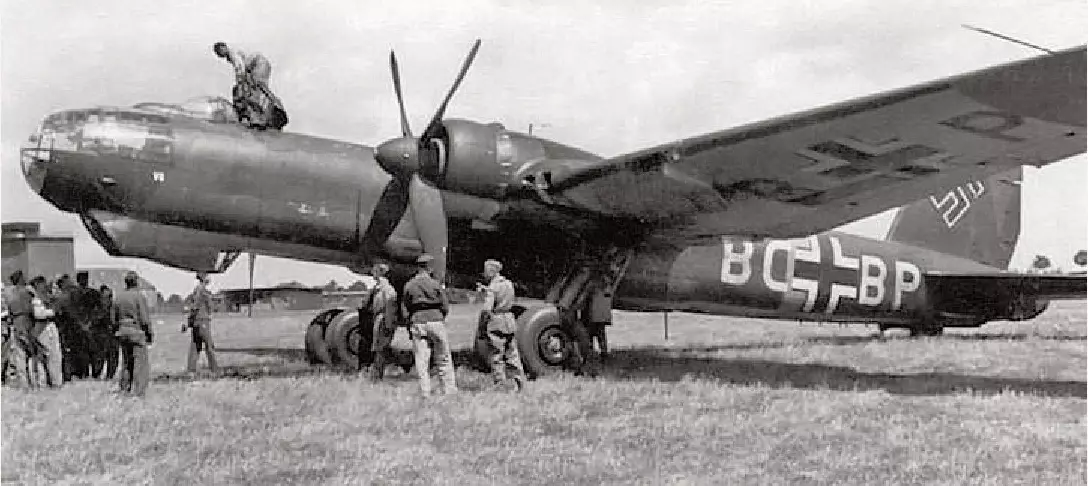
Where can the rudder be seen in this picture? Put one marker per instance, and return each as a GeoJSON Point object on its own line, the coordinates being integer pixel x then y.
{"type": "Point", "coordinates": [979, 220]}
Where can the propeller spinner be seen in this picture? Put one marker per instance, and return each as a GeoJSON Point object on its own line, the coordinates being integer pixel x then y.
{"type": "Point", "coordinates": [413, 162]}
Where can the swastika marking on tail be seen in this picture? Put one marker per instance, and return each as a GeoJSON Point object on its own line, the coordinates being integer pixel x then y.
{"type": "Point", "coordinates": [954, 204]}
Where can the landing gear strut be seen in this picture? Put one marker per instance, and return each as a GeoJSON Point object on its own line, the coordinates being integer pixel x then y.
{"type": "Point", "coordinates": [550, 336]}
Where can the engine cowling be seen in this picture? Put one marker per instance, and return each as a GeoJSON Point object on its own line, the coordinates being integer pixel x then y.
{"type": "Point", "coordinates": [483, 159]}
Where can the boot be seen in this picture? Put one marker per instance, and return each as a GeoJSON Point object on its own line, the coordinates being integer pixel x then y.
{"type": "Point", "coordinates": [377, 369]}
{"type": "Point", "coordinates": [499, 378]}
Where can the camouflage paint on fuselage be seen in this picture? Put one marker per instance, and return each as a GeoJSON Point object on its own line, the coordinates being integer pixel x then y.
{"type": "Point", "coordinates": [317, 199]}
{"type": "Point", "coordinates": [214, 177]}
{"type": "Point", "coordinates": [828, 277]}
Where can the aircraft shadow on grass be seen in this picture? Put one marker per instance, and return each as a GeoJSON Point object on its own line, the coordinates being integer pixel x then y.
{"type": "Point", "coordinates": [852, 340]}
{"type": "Point", "coordinates": [296, 365]}
{"type": "Point", "coordinates": [657, 363]}
{"type": "Point", "coordinates": [287, 354]}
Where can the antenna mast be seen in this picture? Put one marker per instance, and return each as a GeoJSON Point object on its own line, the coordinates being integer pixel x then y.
{"type": "Point", "coordinates": [1010, 39]}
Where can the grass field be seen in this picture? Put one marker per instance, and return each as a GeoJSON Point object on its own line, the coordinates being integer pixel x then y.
{"type": "Point", "coordinates": [723, 401]}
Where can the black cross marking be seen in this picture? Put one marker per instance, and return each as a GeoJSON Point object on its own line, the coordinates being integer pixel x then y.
{"type": "Point", "coordinates": [854, 163]}
{"type": "Point", "coordinates": [825, 273]}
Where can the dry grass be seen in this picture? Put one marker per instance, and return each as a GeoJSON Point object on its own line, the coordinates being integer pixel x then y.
{"type": "Point", "coordinates": [724, 401]}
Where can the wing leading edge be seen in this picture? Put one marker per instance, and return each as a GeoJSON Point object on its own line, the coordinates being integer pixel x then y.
{"type": "Point", "coordinates": [813, 171]}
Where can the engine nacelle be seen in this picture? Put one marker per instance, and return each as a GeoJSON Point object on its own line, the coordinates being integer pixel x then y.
{"type": "Point", "coordinates": [483, 160]}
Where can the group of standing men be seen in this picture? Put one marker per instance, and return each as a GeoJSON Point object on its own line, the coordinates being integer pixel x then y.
{"type": "Point", "coordinates": [75, 331]}
{"type": "Point", "coordinates": [423, 310]}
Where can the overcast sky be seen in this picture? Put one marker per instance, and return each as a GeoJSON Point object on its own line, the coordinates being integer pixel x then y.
{"type": "Point", "coordinates": [607, 76]}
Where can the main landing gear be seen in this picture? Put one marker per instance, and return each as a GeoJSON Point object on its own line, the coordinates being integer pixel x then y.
{"type": "Point", "coordinates": [550, 336]}
{"type": "Point", "coordinates": [334, 337]}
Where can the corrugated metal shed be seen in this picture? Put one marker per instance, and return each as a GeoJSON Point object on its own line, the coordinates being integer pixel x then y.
{"type": "Point", "coordinates": [24, 248]}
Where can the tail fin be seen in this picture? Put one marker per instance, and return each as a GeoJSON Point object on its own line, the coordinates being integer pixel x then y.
{"type": "Point", "coordinates": [979, 220]}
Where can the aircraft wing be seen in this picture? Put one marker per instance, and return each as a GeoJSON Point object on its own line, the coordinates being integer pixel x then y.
{"type": "Point", "coordinates": [813, 171]}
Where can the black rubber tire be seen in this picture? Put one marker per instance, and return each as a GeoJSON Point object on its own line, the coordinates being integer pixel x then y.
{"type": "Point", "coordinates": [926, 331]}
{"type": "Point", "coordinates": [316, 350]}
{"type": "Point", "coordinates": [343, 337]}
{"type": "Point", "coordinates": [545, 345]}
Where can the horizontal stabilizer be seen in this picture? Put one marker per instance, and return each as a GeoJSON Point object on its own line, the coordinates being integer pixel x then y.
{"type": "Point", "coordinates": [987, 285]}
{"type": "Point", "coordinates": [1002, 295]}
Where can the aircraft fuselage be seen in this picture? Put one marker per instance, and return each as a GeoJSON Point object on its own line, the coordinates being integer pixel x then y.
{"type": "Point", "coordinates": [179, 191]}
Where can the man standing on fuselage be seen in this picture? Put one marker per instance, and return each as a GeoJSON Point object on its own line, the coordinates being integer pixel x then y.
{"type": "Point", "coordinates": [254, 102]}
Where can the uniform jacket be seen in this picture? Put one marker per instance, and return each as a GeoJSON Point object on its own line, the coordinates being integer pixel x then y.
{"type": "Point", "coordinates": [40, 313]}
{"type": "Point", "coordinates": [130, 312]}
{"type": "Point", "coordinates": [200, 305]}
{"type": "Point", "coordinates": [424, 299]}
{"type": "Point", "coordinates": [383, 302]}
{"type": "Point", "coordinates": [86, 304]}
{"type": "Point", "coordinates": [20, 308]}
{"type": "Point", "coordinates": [498, 301]}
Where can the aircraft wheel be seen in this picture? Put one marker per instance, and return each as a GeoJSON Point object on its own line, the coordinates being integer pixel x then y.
{"type": "Point", "coordinates": [544, 343]}
{"type": "Point", "coordinates": [343, 337]}
{"type": "Point", "coordinates": [926, 331]}
{"type": "Point", "coordinates": [316, 350]}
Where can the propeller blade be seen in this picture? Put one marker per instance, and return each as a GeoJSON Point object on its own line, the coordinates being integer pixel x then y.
{"type": "Point", "coordinates": [405, 129]}
{"type": "Point", "coordinates": [429, 216]}
{"type": "Point", "coordinates": [436, 121]}
{"type": "Point", "coordinates": [390, 209]}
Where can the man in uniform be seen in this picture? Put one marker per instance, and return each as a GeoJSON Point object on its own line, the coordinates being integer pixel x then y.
{"type": "Point", "coordinates": [200, 321]}
{"type": "Point", "coordinates": [500, 325]}
{"type": "Point", "coordinates": [19, 348]}
{"type": "Point", "coordinates": [46, 334]}
{"type": "Point", "coordinates": [59, 298]}
{"type": "Point", "coordinates": [383, 310]}
{"type": "Point", "coordinates": [85, 311]}
{"type": "Point", "coordinates": [253, 100]}
{"type": "Point", "coordinates": [130, 312]}
{"type": "Point", "coordinates": [111, 348]}
{"type": "Point", "coordinates": [425, 306]}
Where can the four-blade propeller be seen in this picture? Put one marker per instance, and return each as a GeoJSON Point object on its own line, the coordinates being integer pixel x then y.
{"type": "Point", "coordinates": [415, 164]}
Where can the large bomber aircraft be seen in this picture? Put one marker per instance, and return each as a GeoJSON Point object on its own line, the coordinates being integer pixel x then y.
{"type": "Point", "coordinates": [735, 222]}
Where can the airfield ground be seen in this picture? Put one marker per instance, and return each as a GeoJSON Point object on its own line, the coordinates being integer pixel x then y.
{"type": "Point", "coordinates": [724, 401]}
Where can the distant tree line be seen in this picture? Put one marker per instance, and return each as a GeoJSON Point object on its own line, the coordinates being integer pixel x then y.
{"type": "Point", "coordinates": [1042, 263]}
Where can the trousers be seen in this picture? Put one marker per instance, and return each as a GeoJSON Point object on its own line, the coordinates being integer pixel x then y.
{"type": "Point", "coordinates": [76, 344]}
{"type": "Point", "coordinates": [380, 345]}
{"type": "Point", "coordinates": [135, 370]}
{"type": "Point", "coordinates": [504, 354]}
{"type": "Point", "coordinates": [430, 338]}
{"type": "Point", "coordinates": [51, 358]}
{"type": "Point", "coordinates": [107, 353]}
{"type": "Point", "coordinates": [202, 341]}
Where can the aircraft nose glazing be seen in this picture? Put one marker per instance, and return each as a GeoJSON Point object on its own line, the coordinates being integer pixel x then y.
{"type": "Point", "coordinates": [35, 157]}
